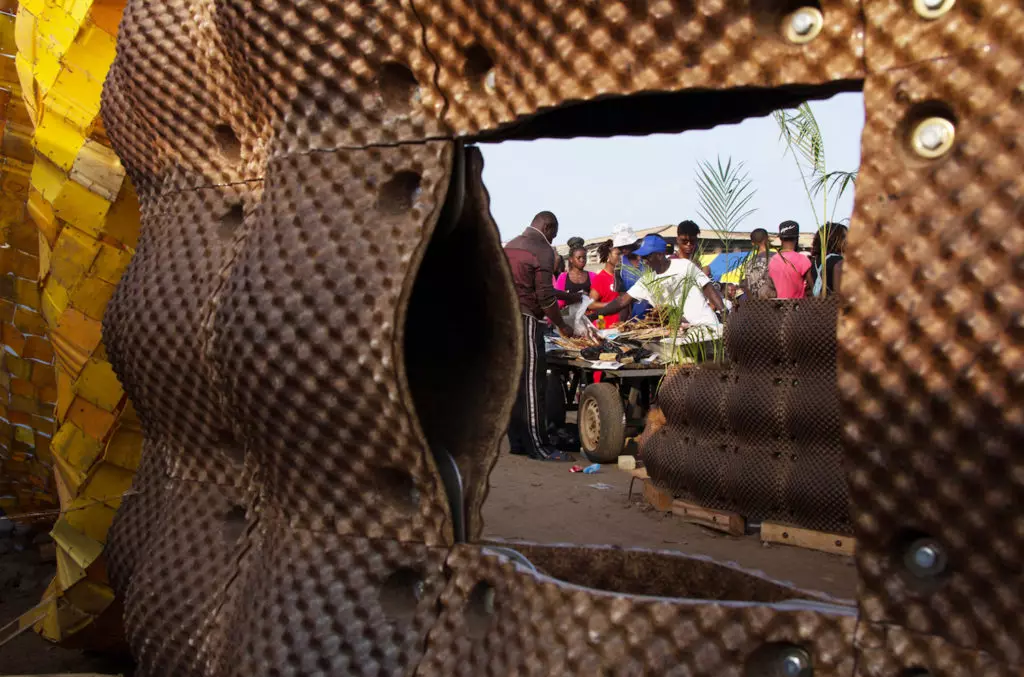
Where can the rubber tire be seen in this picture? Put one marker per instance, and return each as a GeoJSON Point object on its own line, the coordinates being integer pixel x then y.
{"type": "Point", "coordinates": [612, 428]}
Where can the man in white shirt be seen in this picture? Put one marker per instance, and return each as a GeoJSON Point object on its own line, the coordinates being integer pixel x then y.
{"type": "Point", "coordinates": [671, 280]}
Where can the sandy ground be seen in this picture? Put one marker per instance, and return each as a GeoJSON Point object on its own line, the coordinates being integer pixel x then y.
{"type": "Point", "coordinates": [544, 502]}
{"type": "Point", "coordinates": [529, 500]}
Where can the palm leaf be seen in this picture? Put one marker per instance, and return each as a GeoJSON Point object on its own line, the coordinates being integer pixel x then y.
{"type": "Point", "coordinates": [724, 195]}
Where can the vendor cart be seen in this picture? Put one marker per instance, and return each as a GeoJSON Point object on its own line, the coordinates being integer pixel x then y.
{"type": "Point", "coordinates": [611, 404]}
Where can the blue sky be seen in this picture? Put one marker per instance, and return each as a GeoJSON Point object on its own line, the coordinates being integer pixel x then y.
{"type": "Point", "coordinates": [592, 184]}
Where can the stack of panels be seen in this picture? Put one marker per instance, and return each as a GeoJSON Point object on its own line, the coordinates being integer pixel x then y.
{"type": "Point", "coordinates": [760, 436]}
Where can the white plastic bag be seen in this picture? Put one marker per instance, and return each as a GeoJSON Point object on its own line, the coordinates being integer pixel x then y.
{"type": "Point", "coordinates": [576, 317]}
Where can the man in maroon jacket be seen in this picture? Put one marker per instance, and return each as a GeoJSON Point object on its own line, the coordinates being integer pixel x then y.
{"type": "Point", "coordinates": [533, 259]}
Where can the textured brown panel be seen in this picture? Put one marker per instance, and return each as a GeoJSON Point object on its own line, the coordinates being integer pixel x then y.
{"type": "Point", "coordinates": [930, 357]}
{"type": "Point", "coordinates": [173, 103]}
{"type": "Point", "coordinates": [158, 328]}
{"type": "Point", "coordinates": [323, 604]}
{"type": "Point", "coordinates": [760, 437]}
{"type": "Point", "coordinates": [548, 52]}
{"type": "Point", "coordinates": [495, 614]}
{"type": "Point", "coordinates": [180, 577]}
{"type": "Point", "coordinates": [334, 74]}
{"type": "Point", "coordinates": [897, 36]}
{"type": "Point", "coordinates": [309, 340]}
{"type": "Point", "coordinates": [885, 651]}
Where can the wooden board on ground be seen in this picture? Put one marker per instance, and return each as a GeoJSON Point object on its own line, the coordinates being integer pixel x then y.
{"type": "Point", "coordinates": [773, 532]}
{"type": "Point", "coordinates": [729, 522]}
{"type": "Point", "coordinates": [720, 520]}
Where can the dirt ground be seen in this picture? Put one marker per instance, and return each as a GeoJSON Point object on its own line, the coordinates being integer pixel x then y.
{"type": "Point", "coordinates": [529, 500]}
{"type": "Point", "coordinates": [545, 503]}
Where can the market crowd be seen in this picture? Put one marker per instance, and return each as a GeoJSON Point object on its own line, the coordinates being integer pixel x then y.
{"type": "Point", "coordinates": [637, 276]}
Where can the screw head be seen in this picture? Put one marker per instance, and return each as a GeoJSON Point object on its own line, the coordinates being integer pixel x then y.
{"type": "Point", "coordinates": [933, 137]}
{"type": "Point", "coordinates": [803, 25]}
{"type": "Point", "coordinates": [795, 662]}
{"type": "Point", "coordinates": [926, 558]}
{"type": "Point", "coordinates": [932, 9]}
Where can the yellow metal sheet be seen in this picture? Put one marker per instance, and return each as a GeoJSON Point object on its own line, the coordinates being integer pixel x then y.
{"type": "Point", "coordinates": [98, 384]}
{"type": "Point", "coordinates": [82, 208]}
{"type": "Point", "coordinates": [82, 550]}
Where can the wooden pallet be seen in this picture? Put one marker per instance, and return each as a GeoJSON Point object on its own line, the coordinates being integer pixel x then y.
{"type": "Point", "coordinates": [773, 532]}
{"type": "Point", "coordinates": [720, 520]}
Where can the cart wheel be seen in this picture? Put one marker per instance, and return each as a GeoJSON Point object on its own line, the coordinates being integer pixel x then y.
{"type": "Point", "coordinates": [602, 423]}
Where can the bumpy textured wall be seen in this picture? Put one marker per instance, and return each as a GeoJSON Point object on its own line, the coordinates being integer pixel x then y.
{"type": "Point", "coordinates": [86, 219]}
{"type": "Point", "coordinates": [28, 384]}
{"type": "Point", "coordinates": [760, 436]}
{"type": "Point", "coordinates": [289, 515]}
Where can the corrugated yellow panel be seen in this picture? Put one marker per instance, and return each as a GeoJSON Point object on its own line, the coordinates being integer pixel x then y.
{"type": "Point", "coordinates": [24, 34]}
{"type": "Point", "coordinates": [90, 518]}
{"type": "Point", "coordinates": [82, 208]}
{"type": "Point", "coordinates": [55, 300]}
{"type": "Point", "coordinates": [26, 292]}
{"type": "Point", "coordinates": [57, 30]}
{"type": "Point", "coordinates": [123, 219]}
{"type": "Point", "coordinates": [92, 598]}
{"type": "Point", "coordinates": [78, 9]}
{"type": "Point", "coordinates": [91, 296]}
{"type": "Point", "coordinates": [36, 7]}
{"type": "Point", "coordinates": [58, 139]}
{"type": "Point", "coordinates": [41, 213]}
{"type": "Point", "coordinates": [26, 77]}
{"type": "Point", "coordinates": [96, 423]}
{"type": "Point", "coordinates": [7, 41]}
{"type": "Point", "coordinates": [43, 259]}
{"type": "Point", "coordinates": [88, 60]}
{"type": "Point", "coordinates": [77, 449]}
{"type": "Point", "coordinates": [47, 178]}
{"type": "Point", "coordinates": [98, 384]}
{"type": "Point", "coordinates": [107, 483]}
{"type": "Point", "coordinates": [111, 263]}
{"type": "Point", "coordinates": [72, 257]}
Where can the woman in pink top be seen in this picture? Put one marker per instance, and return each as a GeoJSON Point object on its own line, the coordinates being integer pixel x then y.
{"type": "Point", "coordinates": [788, 267]}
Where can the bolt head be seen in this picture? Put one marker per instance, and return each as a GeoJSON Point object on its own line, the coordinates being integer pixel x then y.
{"type": "Point", "coordinates": [795, 663]}
{"type": "Point", "coordinates": [933, 137]}
{"type": "Point", "coordinates": [803, 22]}
{"type": "Point", "coordinates": [926, 556]}
{"type": "Point", "coordinates": [932, 9]}
{"type": "Point", "coordinates": [803, 25]}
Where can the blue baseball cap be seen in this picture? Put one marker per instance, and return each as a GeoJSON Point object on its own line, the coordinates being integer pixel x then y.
{"type": "Point", "coordinates": [651, 244]}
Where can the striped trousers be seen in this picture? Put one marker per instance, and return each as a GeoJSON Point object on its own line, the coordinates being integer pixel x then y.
{"type": "Point", "coordinates": [528, 429]}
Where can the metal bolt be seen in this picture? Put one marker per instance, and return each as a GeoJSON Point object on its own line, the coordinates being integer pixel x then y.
{"type": "Point", "coordinates": [796, 663]}
{"type": "Point", "coordinates": [803, 25]}
{"type": "Point", "coordinates": [933, 9]}
{"type": "Point", "coordinates": [926, 558]}
{"type": "Point", "coordinates": [933, 137]}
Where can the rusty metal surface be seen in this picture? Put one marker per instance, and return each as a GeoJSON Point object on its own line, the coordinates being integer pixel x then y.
{"type": "Point", "coordinates": [305, 199]}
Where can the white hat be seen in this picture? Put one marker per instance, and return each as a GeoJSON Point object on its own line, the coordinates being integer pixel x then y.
{"type": "Point", "coordinates": [623, 235]}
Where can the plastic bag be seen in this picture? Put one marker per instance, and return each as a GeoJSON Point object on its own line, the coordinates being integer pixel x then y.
{"type": "Point", "coordinates": [576, 317]}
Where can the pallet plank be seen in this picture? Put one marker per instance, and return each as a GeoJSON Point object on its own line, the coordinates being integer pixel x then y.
{"type": "Point", "coordinates": [720, 520]}
{"type": "Point", "coordinates": [774, 532]}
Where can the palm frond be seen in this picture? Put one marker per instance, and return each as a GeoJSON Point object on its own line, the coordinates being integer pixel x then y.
{"type": "Point", "coordinates": [834, 182]}
{"type": "Point", "coordinates": [799, 129]}
{"type": "Point", "coordinates": [724, 195]}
